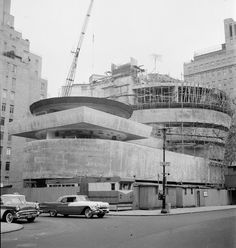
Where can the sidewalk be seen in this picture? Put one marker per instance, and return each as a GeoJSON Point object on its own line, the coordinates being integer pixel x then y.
{"type": "Point", "coordinates": [5, 227]}
{"type": "Point", "coordinates": [174, 211]}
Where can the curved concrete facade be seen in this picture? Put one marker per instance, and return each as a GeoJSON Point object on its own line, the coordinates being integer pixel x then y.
{"type": "Point", "coordinates": [182, 115]}
{"type": "Point", "coordinates": [56, 104]}
{"type": "Point", "coordinates": [189, 128]}
{"type": "Point", "coordinates": [196, 115]}
{"type": "Point", "coordinates": [95, 157]}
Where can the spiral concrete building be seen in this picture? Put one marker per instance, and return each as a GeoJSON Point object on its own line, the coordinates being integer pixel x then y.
{"type": "Point", "coordinates": [94, 138]}
{"type": "Point", "coordinates": [198, 117]}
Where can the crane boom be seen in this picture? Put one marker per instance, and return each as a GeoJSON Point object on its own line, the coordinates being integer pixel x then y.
{"type": "Point", "coordinates": [66, 90]}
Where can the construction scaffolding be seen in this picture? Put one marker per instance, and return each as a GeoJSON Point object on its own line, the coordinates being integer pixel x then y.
{"type": "Point", "coordinates": [184, 95]}
{"type": "Point", "coordinates": [204, 139]}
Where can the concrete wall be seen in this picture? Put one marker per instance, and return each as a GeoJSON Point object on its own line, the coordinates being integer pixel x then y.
{"type": "Point", "coordinates": [148, 197]}
{"type": "Point", "coordinates": [178, 115]}
{"type": "Point", "coordinates": [216, 197]}
{"type": "Point", "coordinates": [42, 194]}
{"type": "Point", "coordinates": [94, 157]}
{"type": "Point", "coordinates": [208, 197]}
{"type": "Point", "coordinates": [171, 197]}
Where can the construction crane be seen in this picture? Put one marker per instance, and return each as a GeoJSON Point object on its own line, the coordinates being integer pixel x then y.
{"type": "Point", "coordinates": [66, 89]}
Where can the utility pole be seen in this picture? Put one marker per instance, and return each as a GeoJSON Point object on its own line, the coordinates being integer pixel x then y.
{"type": "Point", "coordinates": [164, 210]}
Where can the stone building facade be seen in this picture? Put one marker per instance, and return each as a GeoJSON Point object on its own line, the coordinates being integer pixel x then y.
{"type": "Point", "coordinates": [20, 85]}
{"type": "Point", "coordinates": [216, 67]}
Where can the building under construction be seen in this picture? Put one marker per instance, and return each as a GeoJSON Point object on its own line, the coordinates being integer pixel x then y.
{"type": "Point", "coordinates": [198, 117]}
{"type": "Point", "coordinates": [105, 140]}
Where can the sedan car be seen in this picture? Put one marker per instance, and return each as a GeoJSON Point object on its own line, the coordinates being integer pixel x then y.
{"type": "Point", "coordinates": [15, 207]}
{"type": "Point", "coordinates": [75, 205]}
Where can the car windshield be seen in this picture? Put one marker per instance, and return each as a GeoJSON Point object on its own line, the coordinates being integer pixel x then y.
{"type": "Point", "coordinates": [65, 199]}
{"type": "Point", "coordinates": [13, 199]}
{"type": "Point", "coordinates": [82, 198]}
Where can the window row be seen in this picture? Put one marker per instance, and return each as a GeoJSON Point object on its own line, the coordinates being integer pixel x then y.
{"type": "Point", "coordinates": [2, 136]}
{"type": "Point", "coordinates": [2, 121]}
{"type": "Point", "coordinates": [7, 165]}
{"type": "Point", "coordinates": [8, 151]}
{"type": "Point", "coordinates": [4, 107]}
{"type": "Point", "coordinates": [4, 95]}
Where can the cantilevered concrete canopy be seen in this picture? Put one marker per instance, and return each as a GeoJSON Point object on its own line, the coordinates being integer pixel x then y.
{"type": "Point", "coordinates": [85, 119]}
{"type": "Point", "coordinates": [55, 104]}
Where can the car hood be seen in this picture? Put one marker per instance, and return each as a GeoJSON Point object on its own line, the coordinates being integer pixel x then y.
{"type": "Point", "coordinates": [21, 206]}
{"type": "Point", "coordinates": [97, 203]}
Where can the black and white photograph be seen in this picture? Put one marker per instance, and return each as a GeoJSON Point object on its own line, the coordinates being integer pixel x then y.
{"type": "Point", "coordinates": [118, 123]}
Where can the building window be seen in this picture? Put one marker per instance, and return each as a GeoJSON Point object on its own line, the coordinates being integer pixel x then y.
{"type": "Point", "coordinates": [125, 185]}
{"type": "Point", "coordinates": [230, 31]}
{"type": "Point", "coordinates": [12, 96]}
{"type": "Point", "coordinates": [185, 191]}
{"type": "Point", "coordinates": [11, 109]}
{"type": "Point", "coordinates": [5, 46]}
{"type": "Point", "coordinates": [4, 107]}
{"type": "Point", "coordinates": [8, 152]}
{"type": "Point", "coordinates": [1, 148]}
{"type": "Point", "coordinates": [14, 68]}
{"type": "Point", "coordinates": [10, 120]}
{"type": "Point", "coordinates": [13, 83]}
{"type": "Point", "coordinates": [4, 94]}
{"type": "Point", "coordinates": [1, 135]}
{"type": "Point", "coordinates": [191, 191]}
{"type": "Point", "coordinates": [2, 121]}
{"type": "Point", "coordinates": [7, 168]}
{"type": "Point", "coordinates": [112, 186]}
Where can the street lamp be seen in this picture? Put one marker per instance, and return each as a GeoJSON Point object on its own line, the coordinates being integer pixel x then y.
{"type": "Point", "coordinates": [164, 210]}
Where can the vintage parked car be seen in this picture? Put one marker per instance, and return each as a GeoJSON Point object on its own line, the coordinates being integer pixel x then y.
{"type": "Point", "coordinates": [75, 205]}
{"type": "Point", "coordinates": [15, 207]}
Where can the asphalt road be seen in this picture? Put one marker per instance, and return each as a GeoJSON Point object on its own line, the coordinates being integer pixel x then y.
{"type": "Point", "coordinates": [216, 229]}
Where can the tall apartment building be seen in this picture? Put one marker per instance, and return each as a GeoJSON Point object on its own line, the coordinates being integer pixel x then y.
{"type": "Point", "coordinates": [216, 67]}
{"type": "Point", "coordinates": [20, 85]}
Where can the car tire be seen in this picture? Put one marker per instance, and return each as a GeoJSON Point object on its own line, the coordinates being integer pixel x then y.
{"type": "Point", "coordinates": [88, 213]}
{"type": "Point", "coordinates": [66, 215]}
{"type": "Point", "coordinates": [31, 219]}
{"type": "Point", "coordinates": [53, 213]}
{"type": "Point", "coordinates": [8, 217]}
{"type": "Point", "coordinates": [101, 215]}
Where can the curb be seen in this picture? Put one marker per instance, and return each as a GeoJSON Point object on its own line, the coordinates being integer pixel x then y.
{"type": "Point", "coordinates": [7, 228]}
{"type": "Point", "coordinates": [169, 214]}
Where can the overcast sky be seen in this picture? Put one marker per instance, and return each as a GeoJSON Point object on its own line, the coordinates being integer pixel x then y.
{"type": "Point", "coordinates": [121, 29]}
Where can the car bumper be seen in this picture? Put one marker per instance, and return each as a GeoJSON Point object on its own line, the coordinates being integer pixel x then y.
{"type": "Point", "coordinates": [26, 215]}
{"type": "Point", "coordinates": [100, 211]}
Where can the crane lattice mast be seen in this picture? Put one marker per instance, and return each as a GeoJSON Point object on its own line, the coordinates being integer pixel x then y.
{"type": "Point", "coordinates": [66, 90]}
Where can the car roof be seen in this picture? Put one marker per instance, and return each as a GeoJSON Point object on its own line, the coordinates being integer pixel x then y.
{"type": "Point", "coordinates": [71, 195]}
{"type": "Point", "coordinates": [12, 195]}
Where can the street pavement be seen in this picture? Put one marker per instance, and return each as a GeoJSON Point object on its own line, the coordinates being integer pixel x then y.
{"type": "Point", "coordinates": [5, 228]}
{"type": "Point", "coordinates": [211, 229]}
